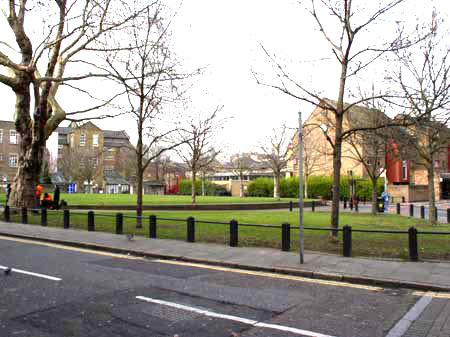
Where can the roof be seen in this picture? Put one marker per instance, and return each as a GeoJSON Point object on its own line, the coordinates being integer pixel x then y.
{"type": "Point", "coordinates": [113, 178]}
{"type": "Point", "coordinates": [153, 183]}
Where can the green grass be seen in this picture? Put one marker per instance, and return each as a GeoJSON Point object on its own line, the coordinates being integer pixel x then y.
{"type": "Point", "coordinates": [127, 199]}
{"type": "Point", "coordinates": [364, 244]}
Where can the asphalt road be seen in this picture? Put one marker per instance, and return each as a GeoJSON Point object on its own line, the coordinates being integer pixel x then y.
{"type": "Point", "coordinates": [54, 292]}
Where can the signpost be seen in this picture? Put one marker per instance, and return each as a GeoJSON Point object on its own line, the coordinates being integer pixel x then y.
{"type": "Point", "coordinates": [300, 186]}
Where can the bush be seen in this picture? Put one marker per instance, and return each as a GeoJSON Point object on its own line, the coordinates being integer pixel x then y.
{"type": "Point", "coordinates": [185, 188]}
{"type": "Point", "coordinates": [260, 187]}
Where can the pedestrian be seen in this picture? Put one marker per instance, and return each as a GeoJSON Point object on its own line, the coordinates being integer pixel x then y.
{"type": "Point", "coordinates": [385, 198]}
{"type": "Point", "coordinates": [47, 200]}
{"type": "Point", "coordinates": [8, 193]}
{"type": "Point", "coordinates": [56, 197]}
{"type": "Point", "coordinates": [38, 195]}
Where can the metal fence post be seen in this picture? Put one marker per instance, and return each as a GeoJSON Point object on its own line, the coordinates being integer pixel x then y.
{"type": "Point", "coordinates": [7, 214]}
{"type": "Point", "coordinates": [411, 210]}
{"type": "Point", "coordinates": [413, 249]}
{"type": "Point", "coordinates": [398, 208]}
{"type": "Point", "coordinates": [448, 215]}
{"type": "Point", "coordinates": [24, 215]}
{"type": "Point", "coordinates": [422, 212]}
{"type": "Point", "coordinates": [285, 237]}
{"type": "Point", "coordinates": [313, 205]}
{"type": "Point", "coordinates": [347, 240]}
{"type": "Point", "coordinates": [233, 233]}
{"type": "Point", "coordinates": [119, 223]}
{"type": "Point", "coordinates": [290, 206]}
{"type": "Point", "coordinates": [190, 237]}
{"type": "Point", "coordinates": [91, 222]}
{"type": "Point", "coordinates": [66, 218]}
{"type": "Point", "coordinates": [152, 226]}
{"type": "Point", "coordinates": [44, 217]}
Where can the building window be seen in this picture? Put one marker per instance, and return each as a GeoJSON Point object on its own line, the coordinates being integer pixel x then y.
{"type": "Point", "coordinates": [13, 136]}
{"type": "Point", "coordinates": [1, 136]}
{"type": "Point", "coordinates": [94, 140]}
{"type": "Point", "coordinates": [13, 160]}
{"type": "Point", "coordinates": [110, 154]}
{"type": "Point", "coordinates": [82, 140]}
{"type": "Point", "coordinates": [404, 169]}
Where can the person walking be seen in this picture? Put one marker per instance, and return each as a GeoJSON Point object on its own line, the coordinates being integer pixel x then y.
{"type": "Point", "coordinates": [56, 197]}
{"type": "Point", "coordinates": [38, 195]}
{"type": "Point", "coordinates": [47, 200]}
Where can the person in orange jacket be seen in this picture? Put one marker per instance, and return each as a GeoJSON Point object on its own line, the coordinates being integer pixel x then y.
{"type": "Point", "coordinates": [38, 194]}
{"type": "Point", "coordinates": [47, 200]}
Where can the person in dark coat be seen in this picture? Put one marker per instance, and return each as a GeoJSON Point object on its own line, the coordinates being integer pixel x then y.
{"type": "Point", "coordinates": [56, 197]}
{"type": "Point", "coordinates": [8, 193]}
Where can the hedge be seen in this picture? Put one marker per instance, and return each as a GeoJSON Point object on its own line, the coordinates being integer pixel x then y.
{"type": "Point", "coordinates": [185, 188]}
{"type": "Point", "coordinates": [318, 187]}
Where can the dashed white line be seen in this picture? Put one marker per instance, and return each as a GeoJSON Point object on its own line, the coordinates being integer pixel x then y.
{"type": "Point", "coordinates": [233, 318]}
{"type": "Point", "coordinates": [402, 325]}
{"type": "Point", "coordinates": [20, 271]}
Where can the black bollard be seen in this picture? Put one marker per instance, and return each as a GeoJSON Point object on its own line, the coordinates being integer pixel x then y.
{"type": "Point", "coordinates": [91, 223]}
{"type": "Point", "coordinates": [66, 218]}
{"type": "Point", "coordinates": [119, 223]}
{"type": "Point", "coordinates": [398, 208]}
{"type": "Point", "coordinates": [152, 226]}
{"type": "Point", "coordinates": [285, 237]}
{"type": "Point", "coordinates": [7, 214]}
{"type": "Point", "coordinates": [290, 206]}
{"type": "Point", "coordinates": [190, 222]}
{"type": "Point", "coordinates": [413, 249]}
{"type": "Point", "coordinates": [313, 205]}
{"type": "Point", "coordinates": [44, 217]}
{"type": "Point", "coordinates": [347, 241]}
{"type": "Point", "coordinates": [448, 215]}
{"type": "Point", "coordinates": [233, 233]}
{"type": "Point", "coordinates": [411, 210]}
{"type": "Point", "coordinates": [422, 212]}
{"type": "Point", "coordinates": [24, 215]}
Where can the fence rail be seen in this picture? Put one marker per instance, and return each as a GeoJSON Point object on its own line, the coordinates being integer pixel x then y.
{"type": "Point", "coordinates": [153, 223]}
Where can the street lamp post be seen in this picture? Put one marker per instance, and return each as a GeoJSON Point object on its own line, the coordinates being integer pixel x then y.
{"type": "Point", "coordinates": [300, 186]}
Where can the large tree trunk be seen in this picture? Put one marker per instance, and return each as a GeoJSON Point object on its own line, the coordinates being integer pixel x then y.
{"type": "Point", "coordinates": [432, 216]}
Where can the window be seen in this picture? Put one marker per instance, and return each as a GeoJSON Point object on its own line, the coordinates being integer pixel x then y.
{"type": "Point", "coordinates": [94, 140]}
{"type": "Point", "coordinates": [404, 169]}
{"type": "Point", "coordinates": [1, 136]}
{"type": "Point", "coordinates": [110, 154]}
{"type": "Point", "coordinates": [13, 160]}
{"type": "Point", "coordinates": [13, 136]}
{"type": "Point", "coordinates": [82, 140]}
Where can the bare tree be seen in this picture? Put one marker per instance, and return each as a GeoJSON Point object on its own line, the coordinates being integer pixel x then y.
{"type": "Point", "coordinates": [275, 152]}
{"type": "Point", "coordinates": [352, 57]}
{"type": "Point", "coordinates": [199, 150]}
{"type": "Point", "coordinates": [148, 72]}
{"type": "Point", "coordinates": [70, 30]}
{"type": "Point", "coordinates": [424, 81]}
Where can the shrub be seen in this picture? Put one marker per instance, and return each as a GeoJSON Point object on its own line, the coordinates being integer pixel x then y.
{"type": "Point", "coordinates": [185, 188]}
{"type": "Point", "coordinates": [260, 187]}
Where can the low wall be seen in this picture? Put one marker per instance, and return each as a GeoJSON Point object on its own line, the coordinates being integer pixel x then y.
{"type": "Point", "coordinates": [410, 193]}
{"type": "Point", "coordinates": [199, 207]}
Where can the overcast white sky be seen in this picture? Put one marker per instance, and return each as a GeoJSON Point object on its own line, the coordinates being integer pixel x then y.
{"type": "Point", "coordinates": [226, 37]}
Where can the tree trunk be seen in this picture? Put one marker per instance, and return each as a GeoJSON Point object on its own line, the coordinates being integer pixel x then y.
{"type": "Point", "coordinates": [305, 184]}
{"type": "Point", "coordinates": [241, 188]}
{"type": "Point", "coordinates": [374, 196]}
{"type": "Point", "coordinates": [276, 186]}
{"type": "Point", "coordinates": [432, 216]}
{"type": "Point", "coordinates": [336, 177]}
{"type": "Point", "coordinates": [193, 194]}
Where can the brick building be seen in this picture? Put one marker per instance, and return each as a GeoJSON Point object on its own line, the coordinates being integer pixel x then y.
{"type": "Point", "coordinates": [9, 151]}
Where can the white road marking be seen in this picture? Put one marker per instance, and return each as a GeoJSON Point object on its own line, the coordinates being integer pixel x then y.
{"type": "Point", "coordinates": [234, 318]}
{"type": "Point", "coordinates": [20, 271]}
{"type": "Point", "coordinates": [403, 324]}
{"type": "Point", "coordinates": [273, 275]}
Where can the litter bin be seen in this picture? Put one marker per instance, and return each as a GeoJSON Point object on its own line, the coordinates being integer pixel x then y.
{"type": "Point", "coordinates": [380, 204]}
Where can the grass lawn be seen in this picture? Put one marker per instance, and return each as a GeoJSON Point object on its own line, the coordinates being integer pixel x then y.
{"type": "Point", "coordinates": [127, 199]}
{"type": "Point", "coordinates": [364, 244]}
